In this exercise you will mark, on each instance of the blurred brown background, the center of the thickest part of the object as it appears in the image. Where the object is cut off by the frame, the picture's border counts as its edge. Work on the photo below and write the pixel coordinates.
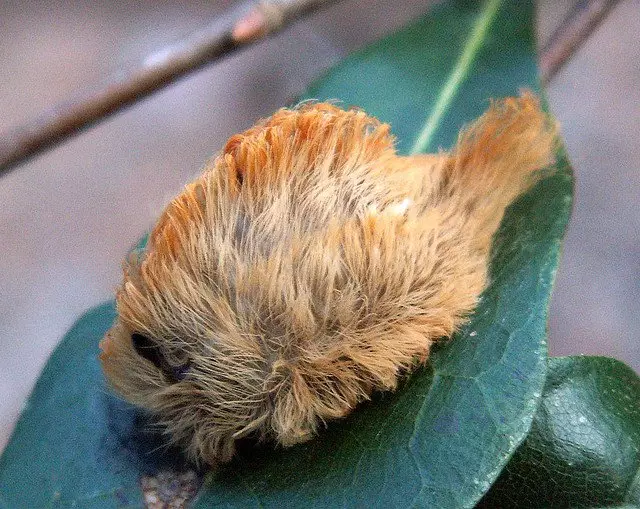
(68, 217)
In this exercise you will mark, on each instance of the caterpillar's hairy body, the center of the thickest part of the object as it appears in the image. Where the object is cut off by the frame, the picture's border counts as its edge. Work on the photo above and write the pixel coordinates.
(311, 265)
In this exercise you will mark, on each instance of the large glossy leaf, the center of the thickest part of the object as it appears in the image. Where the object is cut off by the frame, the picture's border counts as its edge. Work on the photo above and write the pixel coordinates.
(584, 446)
(444, 436)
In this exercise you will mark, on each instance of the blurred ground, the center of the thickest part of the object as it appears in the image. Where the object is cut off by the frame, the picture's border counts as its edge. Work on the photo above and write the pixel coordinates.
(596, 301)
(68, 217)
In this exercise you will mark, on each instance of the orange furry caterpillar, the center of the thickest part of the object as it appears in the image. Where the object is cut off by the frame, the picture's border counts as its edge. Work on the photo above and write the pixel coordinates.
(309, 266)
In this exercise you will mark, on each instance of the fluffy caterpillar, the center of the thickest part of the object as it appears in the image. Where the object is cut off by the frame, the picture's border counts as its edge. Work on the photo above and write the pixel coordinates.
(310, 265)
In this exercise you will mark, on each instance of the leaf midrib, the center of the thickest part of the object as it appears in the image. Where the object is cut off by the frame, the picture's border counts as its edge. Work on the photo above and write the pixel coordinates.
(458, 75)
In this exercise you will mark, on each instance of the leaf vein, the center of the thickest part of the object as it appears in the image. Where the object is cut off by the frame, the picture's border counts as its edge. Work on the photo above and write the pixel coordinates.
(457, 76)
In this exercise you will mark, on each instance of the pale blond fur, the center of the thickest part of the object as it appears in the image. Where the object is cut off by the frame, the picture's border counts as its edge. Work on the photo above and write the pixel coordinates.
(311, 265)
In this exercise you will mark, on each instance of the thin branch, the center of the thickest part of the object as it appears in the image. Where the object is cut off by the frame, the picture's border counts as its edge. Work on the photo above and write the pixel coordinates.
(574, 30)
(240, 27)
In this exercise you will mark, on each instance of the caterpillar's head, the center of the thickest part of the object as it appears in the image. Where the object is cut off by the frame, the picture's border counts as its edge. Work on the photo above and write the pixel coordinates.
(236, 318)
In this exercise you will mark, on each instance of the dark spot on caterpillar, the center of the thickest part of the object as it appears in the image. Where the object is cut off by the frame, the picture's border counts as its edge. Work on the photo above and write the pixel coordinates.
(180, 372)
(150, 350)
(147, 349)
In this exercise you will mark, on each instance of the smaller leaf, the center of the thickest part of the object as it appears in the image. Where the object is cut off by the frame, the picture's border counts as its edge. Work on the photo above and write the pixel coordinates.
(583, 448)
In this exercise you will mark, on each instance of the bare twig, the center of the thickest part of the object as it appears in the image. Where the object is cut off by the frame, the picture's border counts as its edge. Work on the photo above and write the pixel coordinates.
(240, 27)
(575, 29)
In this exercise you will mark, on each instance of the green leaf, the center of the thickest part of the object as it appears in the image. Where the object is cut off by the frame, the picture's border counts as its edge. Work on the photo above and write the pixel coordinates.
(584, 446)
(443, 437)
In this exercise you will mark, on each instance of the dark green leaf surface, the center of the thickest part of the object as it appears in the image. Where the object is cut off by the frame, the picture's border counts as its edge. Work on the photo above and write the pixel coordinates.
(444, 436)
(584, 446)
